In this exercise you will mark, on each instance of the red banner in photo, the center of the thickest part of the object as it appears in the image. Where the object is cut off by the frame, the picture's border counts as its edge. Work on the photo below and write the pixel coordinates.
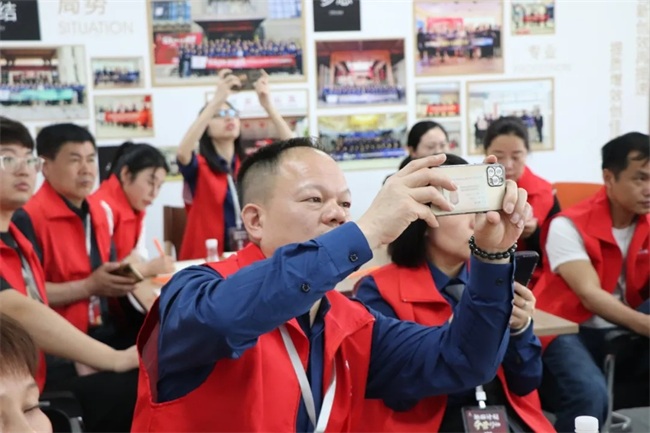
(166, 46)
(138, 118)
(259, 62)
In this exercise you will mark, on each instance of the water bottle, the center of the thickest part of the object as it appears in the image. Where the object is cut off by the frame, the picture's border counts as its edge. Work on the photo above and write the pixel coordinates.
(586, 424)
(212, 250)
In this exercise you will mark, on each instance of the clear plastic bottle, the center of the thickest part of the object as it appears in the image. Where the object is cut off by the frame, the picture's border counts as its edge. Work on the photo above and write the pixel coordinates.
(586, 424)
(212, 250)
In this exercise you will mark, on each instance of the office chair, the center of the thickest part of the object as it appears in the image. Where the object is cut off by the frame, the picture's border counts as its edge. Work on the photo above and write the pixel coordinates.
(63, 411)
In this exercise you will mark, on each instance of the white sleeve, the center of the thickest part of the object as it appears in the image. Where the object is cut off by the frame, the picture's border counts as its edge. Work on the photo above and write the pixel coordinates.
(141, 247)
(564, 243)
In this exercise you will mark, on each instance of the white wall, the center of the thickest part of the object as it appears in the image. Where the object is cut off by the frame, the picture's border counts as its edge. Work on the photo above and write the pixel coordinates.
(581, 66)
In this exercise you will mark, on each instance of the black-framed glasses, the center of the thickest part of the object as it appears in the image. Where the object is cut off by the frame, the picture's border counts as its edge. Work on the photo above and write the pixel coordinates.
(227, 112)
(11, 164)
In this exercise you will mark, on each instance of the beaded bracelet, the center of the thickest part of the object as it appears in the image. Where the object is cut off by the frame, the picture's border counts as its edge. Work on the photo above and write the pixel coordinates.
(491, 256)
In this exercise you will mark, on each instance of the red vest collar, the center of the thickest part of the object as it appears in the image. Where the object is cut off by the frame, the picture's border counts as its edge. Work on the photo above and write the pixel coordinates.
(114, 189)
(600, 221)
(56, 206)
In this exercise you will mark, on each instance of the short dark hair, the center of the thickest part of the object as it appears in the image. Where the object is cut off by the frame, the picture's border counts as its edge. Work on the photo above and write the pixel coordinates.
(13, 132)
(51, 138)
(265, 162)
(617, 152)
(18, 354)
(421, 128)
(410, 248)
(137, 157)
(508, 125)
(207, 150)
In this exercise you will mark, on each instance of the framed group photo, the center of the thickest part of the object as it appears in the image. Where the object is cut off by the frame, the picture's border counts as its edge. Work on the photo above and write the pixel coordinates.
(363, 136)
(123, 116)
(366, 72)
(117, 73)
(532, 17)
(44, 83)
(194, 39)
(458, 38)
(529, 99)
(437, 100)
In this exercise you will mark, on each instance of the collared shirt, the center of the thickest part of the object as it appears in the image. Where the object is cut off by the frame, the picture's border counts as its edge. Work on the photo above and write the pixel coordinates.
(190, 174)
(406, 359)
(522, 363)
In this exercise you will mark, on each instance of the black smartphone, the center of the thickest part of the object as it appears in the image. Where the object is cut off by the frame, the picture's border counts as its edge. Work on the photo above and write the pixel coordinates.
(525, 264)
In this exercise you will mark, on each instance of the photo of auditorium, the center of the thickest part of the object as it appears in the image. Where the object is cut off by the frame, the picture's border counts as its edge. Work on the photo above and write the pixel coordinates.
(193, 40)
(363, 136)
(117, 73)
(437, 100)
(530, 100)
(454, 38)
(257, 133)
(123, 116)
(533, 17)
(43, 83)
(361, 72)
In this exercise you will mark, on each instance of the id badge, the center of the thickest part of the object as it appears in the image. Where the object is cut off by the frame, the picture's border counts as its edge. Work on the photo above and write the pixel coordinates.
(237, 238)
(492, 419)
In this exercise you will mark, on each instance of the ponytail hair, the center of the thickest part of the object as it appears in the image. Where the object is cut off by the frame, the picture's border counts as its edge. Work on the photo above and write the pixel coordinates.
(137, 157)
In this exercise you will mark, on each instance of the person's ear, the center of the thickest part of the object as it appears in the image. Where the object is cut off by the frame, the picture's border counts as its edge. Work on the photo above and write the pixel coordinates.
(45, 169)
(124, 175)
(252, 216)
(608, 177)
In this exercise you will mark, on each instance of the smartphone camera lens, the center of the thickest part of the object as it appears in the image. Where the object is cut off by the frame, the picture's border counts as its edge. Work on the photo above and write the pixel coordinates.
(498, 171)
(496, 180)
(490, 171)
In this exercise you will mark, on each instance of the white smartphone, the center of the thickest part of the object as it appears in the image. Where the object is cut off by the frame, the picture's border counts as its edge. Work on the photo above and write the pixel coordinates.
(481, 188)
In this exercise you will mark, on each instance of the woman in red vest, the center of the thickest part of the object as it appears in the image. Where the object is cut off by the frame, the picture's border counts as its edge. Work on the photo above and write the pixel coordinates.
(507, 139)
(209, 192)
(424, 284)
(136, 175)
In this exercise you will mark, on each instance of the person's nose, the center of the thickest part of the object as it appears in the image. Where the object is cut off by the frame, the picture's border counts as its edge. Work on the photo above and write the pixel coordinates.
(335, 214)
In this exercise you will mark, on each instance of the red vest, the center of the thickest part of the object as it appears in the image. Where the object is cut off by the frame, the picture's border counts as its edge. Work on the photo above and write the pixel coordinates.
(541, 198)
(205, 218)
(414, 297)
(259, 392)
(127, 223)
(592, 218)
(62, 239)
(11, 271)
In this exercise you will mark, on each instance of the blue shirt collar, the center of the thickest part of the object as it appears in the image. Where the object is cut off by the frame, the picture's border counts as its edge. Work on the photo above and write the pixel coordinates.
(442, 280)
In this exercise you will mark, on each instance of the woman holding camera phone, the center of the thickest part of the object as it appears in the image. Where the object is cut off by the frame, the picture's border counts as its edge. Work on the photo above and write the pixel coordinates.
(507, 139)
(209, 191)
(424, 283)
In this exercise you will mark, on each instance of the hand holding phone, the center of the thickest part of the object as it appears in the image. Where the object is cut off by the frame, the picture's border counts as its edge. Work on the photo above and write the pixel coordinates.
(525, 264)
(481, 188)
(127, 270)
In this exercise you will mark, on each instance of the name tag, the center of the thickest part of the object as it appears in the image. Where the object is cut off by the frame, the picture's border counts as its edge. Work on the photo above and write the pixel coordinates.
(492, 419)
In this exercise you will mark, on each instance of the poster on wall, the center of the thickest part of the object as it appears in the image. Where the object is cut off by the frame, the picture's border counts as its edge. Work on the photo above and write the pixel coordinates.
(457, 38)
(43, 83)
(19, 20)
(256, 128)
(117, 73)
(368, 72)
(123, 116)
(194, 39)
(437, 100)
(529, 100)
(337, 15)
(533, 17)
(363, 136)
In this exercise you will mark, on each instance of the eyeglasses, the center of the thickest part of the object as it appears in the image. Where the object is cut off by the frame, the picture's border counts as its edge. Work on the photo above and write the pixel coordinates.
(12, 164)
(230, 112)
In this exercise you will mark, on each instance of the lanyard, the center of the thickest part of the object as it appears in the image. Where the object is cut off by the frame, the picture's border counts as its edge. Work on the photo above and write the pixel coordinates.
(30, 281)
(235, 201)
(328, 402)
(88, 230)
(481, 397)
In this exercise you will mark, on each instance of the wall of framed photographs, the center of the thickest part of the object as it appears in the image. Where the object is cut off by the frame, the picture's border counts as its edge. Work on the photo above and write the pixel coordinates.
(142, 69)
